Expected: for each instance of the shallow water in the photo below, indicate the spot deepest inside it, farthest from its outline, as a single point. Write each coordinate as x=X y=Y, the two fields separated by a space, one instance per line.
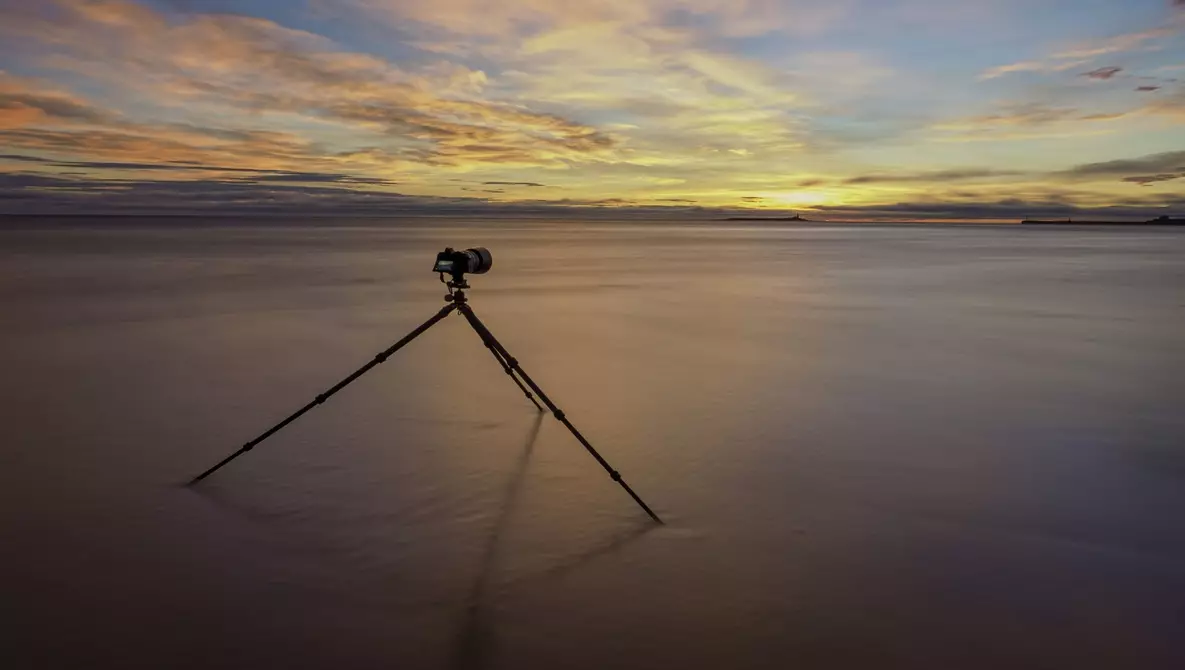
x=886 y=447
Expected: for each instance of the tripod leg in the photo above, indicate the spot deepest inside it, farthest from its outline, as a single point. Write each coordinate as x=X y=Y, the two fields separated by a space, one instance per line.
x=379 y=358
x=492 y=346
x=512 y=364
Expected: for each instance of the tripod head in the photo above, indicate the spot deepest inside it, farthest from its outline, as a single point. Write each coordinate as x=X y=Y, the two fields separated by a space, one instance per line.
x=477 y=260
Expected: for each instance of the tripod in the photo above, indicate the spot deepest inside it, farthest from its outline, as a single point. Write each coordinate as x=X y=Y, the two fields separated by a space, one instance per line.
x=456 y=301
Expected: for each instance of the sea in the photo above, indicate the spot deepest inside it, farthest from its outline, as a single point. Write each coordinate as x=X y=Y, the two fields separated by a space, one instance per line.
x=873 y=446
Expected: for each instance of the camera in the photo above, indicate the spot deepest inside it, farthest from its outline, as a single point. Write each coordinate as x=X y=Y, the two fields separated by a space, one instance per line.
x=477 y=260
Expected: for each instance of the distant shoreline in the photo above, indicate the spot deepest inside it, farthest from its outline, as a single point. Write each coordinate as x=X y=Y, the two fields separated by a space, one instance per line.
x=782 y=219
x=22 y=221
x=1160 y=221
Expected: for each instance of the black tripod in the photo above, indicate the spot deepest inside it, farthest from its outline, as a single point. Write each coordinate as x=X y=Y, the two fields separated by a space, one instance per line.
x=457 y=301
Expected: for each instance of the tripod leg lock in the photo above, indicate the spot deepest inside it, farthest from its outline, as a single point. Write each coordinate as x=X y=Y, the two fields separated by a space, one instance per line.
x=248 y=447
x=559 y=414
x=615 y=475
x=321 y=398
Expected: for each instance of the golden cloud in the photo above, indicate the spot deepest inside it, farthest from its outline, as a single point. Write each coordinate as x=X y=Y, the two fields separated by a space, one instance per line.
x=257 y=66
x=513 y=19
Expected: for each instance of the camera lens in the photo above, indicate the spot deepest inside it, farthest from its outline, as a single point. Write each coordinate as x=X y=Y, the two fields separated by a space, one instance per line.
x=480 y=260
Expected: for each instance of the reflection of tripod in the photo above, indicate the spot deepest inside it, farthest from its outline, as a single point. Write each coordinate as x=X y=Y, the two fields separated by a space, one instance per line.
x=457 y=301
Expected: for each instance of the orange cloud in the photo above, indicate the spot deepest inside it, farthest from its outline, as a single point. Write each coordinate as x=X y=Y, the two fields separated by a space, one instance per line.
x=39 y=118
x=1173 y=108
x=24 y=102
x=434 y=115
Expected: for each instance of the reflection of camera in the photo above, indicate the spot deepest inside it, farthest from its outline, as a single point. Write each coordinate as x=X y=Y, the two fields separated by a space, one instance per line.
x=456 y=263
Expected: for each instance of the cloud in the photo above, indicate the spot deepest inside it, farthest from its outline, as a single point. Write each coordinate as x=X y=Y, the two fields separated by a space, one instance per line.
x=253 y=175
x=1086 y=51
x=23 y=159
x=1103 y=72
x=659 y=99
x=1142 y=170
x=133 y=147
x=936 y=176
x=1026 y=121
x=1171 y=106
x=672 y=100
x=27 y=102
x=1038 y=119
x=1119 y=43
x=486 y=22
x=669 y=77
x=1145 y=180
x=1026 y=114
x=1145 y=170
x=1169 y=160
x=1032 y=66
x=315 y=178
x=609 y=102
x=49 y=194
x=26 y=193
x=433 y=115
x=1006 y=209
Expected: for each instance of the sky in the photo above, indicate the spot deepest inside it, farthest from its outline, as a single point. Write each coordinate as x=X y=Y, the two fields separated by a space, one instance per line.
x=836 y=109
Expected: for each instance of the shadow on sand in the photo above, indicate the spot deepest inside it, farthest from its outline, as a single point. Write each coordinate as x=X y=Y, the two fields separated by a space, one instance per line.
x=475 y=638
x=475 y=641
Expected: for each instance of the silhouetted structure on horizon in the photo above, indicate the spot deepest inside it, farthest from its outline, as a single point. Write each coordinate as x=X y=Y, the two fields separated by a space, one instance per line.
x=1158 y=221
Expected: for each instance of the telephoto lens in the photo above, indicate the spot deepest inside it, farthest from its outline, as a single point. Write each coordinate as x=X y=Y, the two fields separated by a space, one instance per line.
x=480 y=260
x=477 y=260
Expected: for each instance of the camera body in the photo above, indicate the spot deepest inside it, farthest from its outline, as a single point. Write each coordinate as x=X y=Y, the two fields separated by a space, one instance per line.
x=477 y=260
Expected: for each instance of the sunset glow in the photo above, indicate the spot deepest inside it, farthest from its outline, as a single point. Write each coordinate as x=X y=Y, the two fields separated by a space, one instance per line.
x=839 y=109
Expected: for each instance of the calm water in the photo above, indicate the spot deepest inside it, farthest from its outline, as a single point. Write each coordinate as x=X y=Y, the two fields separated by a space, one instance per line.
x=891 y=447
